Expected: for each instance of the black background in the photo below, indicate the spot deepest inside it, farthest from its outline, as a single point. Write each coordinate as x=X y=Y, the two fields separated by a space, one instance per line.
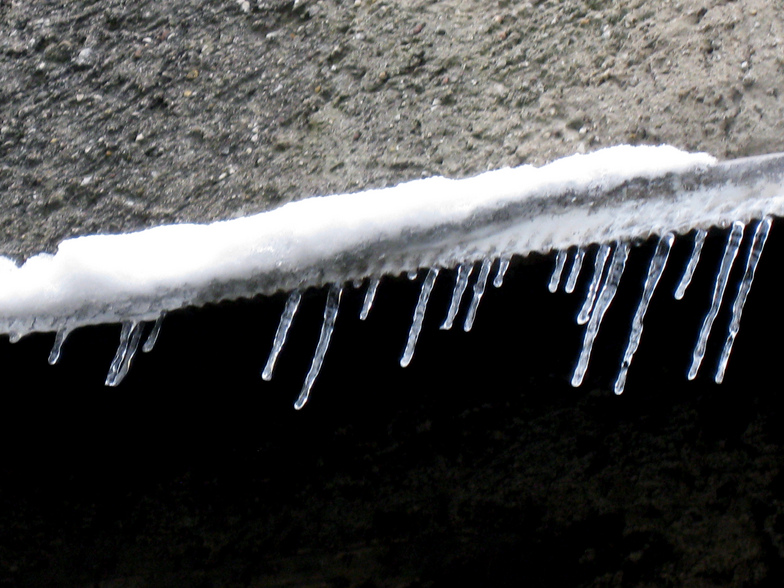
x=479 y=461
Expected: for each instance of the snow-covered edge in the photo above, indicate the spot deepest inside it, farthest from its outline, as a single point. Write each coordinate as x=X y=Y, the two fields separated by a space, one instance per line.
x=619 y=193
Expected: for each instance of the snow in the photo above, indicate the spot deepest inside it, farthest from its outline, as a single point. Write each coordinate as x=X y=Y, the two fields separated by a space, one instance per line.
x=611 y=196
x=136 y=276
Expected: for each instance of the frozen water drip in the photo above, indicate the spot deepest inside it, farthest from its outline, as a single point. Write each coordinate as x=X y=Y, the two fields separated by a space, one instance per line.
x=655 y=270
x=330 y=316
x=574 y=273
x=730 y=253
x=606 y=296
x=479 y=290
x=503 y=265
x=691 y=265
x=555 y=278
x=419 y=316
x=598 y=269
x=286 y=317
x=370 y=296
x=57 y=347
x=755 y=251
x=461 y=282
x=152 y=338
x=129 y=342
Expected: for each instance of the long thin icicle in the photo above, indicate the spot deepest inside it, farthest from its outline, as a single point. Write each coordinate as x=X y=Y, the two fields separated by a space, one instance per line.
x=691 y=265
x=461 y=282
x=479 y=290
x=129 y=342
x=503 y=265
x=574 y=273
x=655 y=270
x=57 y=347
x=606 y=296
x=755 y=251
x=730 y=253
x=370 y=296
x=286 y=317
x=152 y=338
x=555 y=278
x=330 y=316
x=598 y=269
x=419 y=316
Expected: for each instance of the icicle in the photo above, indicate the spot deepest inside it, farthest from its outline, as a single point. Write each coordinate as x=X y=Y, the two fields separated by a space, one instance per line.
x=606 y=296
x=57 y=347
x=574 y=273
x=412 y=274
x=757 y=244
x=479 y=290
x=598 y=269
x=503 y=265
x=691 y=265
x=370 y=296
x=419 y=316
x=152 y=338
x=461 y=282
x=330 y=316
x=14 y=337
x=655 y=270
x=555 y=278
x=129 y=342
x=730 y=252
x=292 y=304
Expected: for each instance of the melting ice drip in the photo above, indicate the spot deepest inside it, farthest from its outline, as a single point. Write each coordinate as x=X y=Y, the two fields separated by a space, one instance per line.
x=600 y=292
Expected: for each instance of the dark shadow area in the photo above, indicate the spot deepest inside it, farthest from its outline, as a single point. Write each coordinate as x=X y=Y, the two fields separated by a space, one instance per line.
x=478 y=463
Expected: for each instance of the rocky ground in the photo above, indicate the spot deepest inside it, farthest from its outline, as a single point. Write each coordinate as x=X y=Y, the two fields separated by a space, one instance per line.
x=116 y=116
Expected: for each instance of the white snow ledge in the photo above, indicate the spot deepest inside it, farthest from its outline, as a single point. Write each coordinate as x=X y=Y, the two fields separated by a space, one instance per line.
x=616 y=194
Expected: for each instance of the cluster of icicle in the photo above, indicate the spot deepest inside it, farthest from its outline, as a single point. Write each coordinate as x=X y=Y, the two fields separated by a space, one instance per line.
x=600 y=293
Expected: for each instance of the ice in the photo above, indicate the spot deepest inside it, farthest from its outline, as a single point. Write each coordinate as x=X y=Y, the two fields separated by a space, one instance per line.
x=292 y=304
x=655 y=270
x=479 y=290
x=503 y=265
x=555 y=278
x=412 y=274
x=330 y=316
x=755 y=251
x=613 y=195
x=691 y=265
x=152 y=338
x=598 y=269
x=57 y=347
x=730 y=252
x=428 y=222
x=574 y=273
x=419 y=316
x=464 y=271
x=129 y=342
x=370 y=296
x=606 y=296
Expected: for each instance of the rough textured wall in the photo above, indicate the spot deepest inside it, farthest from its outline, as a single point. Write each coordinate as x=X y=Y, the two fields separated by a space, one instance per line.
x=150 y=112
